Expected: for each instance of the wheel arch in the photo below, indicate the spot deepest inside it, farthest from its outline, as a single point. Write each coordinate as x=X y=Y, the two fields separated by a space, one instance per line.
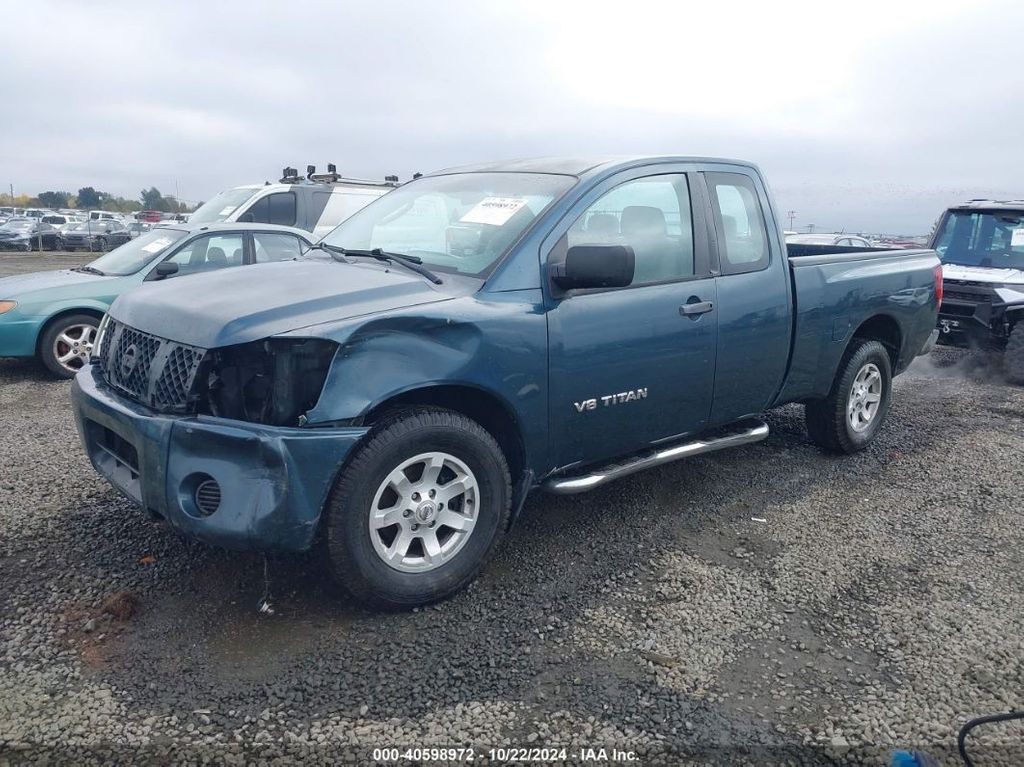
x=885 y=329
x=483 y=406
x=45 y=326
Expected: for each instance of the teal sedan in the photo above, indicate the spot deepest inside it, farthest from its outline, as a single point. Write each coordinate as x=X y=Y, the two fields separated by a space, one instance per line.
x=54 y=315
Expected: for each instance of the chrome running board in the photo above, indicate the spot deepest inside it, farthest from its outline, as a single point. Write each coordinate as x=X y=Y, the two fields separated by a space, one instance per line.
x=740 y=434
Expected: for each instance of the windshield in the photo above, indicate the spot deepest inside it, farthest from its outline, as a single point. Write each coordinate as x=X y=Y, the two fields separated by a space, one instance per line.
x=462 y=222
x=222 y=205
x=135 y=254
x=983 y=238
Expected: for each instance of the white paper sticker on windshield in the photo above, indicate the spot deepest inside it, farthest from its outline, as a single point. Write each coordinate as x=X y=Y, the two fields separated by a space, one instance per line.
x=1017 y=238
x=227 y=211
x=493 y=210
x=157 y=245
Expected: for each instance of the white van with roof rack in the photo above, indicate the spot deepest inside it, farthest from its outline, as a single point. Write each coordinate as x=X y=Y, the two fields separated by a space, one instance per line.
x=316 y=203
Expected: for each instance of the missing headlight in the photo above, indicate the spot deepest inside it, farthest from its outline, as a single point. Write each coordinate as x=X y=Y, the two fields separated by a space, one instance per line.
x=272 y=382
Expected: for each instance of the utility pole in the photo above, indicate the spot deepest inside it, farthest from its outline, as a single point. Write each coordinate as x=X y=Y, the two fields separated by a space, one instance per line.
x=791 y=215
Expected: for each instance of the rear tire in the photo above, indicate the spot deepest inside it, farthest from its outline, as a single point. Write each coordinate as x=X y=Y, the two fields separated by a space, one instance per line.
x=849 y=417
x=1013 y=355
x=417 y=558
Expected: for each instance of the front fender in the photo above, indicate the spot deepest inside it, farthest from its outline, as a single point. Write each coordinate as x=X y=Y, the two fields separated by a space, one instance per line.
x=495 y=343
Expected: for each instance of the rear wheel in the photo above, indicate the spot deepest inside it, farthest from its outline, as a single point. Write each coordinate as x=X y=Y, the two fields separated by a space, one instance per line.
x=849 y=417
x=67 y=344
x=1013 y=355
x=419 y=510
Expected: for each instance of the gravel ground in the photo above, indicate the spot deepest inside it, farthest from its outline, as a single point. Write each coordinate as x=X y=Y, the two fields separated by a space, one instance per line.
x=766 y=604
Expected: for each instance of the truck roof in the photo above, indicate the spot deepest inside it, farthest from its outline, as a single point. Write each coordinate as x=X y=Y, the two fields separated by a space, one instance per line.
x=1015 y=205
x=577 y=166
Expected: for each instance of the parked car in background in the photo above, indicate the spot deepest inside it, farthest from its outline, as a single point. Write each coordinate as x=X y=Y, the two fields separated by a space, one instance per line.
x=981 y=244
x=316 y=206
x=54 y=315
x=481 y=332
x=95 y=235
x=138 y=227
x=29 y=234
x=839 y=240
x=60 y=220
x=102 y=215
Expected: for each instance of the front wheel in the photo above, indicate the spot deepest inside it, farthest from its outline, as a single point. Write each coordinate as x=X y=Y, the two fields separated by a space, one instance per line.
x=849 y=417
x=67 y=344
x=419 y=510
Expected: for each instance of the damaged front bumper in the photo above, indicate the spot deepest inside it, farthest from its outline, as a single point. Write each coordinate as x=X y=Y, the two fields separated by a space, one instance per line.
x=229 y=483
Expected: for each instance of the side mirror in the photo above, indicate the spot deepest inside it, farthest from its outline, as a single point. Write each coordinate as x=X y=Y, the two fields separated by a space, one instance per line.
x=165 y=269
x=245 y=218
x=595 y=266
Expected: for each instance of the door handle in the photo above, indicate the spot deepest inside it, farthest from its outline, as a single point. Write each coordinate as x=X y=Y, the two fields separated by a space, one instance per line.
x=696 y=308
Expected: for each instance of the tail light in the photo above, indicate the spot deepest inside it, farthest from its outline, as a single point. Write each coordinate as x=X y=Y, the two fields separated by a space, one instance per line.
x=938 y=284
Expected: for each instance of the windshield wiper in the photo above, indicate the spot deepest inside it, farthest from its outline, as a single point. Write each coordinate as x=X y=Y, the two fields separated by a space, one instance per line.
x=334 y=250
x=89 y=270
x=415 y=263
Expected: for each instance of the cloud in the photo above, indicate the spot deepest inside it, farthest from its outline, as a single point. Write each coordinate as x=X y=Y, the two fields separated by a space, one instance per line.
x=869 y=117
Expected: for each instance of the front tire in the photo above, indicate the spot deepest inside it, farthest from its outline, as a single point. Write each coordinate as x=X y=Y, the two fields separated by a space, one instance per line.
x=1013 y=355
x=419 y=510
x=67 y=343
x=849 y=417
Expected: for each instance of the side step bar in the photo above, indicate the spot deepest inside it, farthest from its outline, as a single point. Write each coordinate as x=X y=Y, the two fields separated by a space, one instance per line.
x=741 y=434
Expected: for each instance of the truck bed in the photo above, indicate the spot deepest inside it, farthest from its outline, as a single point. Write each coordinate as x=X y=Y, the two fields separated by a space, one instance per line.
x=837 y=289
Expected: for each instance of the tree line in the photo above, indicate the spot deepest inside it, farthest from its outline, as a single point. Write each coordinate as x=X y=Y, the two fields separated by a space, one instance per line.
x=89 y=198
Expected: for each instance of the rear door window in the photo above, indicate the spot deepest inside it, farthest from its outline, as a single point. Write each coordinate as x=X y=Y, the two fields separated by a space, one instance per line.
x=742 y=234
x=276 y=247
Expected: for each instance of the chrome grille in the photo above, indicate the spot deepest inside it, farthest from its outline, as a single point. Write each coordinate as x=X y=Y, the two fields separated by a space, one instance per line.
x=149 y=369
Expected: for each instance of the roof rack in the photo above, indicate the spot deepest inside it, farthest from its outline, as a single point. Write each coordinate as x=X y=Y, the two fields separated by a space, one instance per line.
x=291 y=176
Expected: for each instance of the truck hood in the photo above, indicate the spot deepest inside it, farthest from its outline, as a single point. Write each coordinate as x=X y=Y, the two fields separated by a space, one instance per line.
x=983 y=274
x=21 y=286
x=248 y=303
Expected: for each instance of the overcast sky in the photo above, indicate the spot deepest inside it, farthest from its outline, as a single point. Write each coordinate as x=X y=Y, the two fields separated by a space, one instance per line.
x=872 y=117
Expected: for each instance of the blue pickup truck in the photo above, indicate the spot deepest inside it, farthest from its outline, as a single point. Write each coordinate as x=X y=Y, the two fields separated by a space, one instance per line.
x=481 y=332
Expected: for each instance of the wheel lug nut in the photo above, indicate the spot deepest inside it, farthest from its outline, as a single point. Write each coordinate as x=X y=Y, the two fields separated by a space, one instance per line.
x=440 y=506
x=415 y=496
x=415 y=526
x=407 y=513
x=433 y=493
x=431 y=523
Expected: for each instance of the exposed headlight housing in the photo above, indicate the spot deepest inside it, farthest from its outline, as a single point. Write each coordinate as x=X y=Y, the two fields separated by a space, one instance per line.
x=274 y=381
x=6 y=306
x=101 y=332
